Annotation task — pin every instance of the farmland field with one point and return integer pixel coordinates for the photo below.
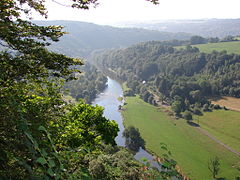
(190, 148)
(230, 47)
(223, 125)
(229, 102)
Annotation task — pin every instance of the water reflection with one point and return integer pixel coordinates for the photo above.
(109, 100)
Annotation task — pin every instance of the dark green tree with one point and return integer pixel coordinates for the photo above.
(197, 40)
(133, 139)
(187, 115)
(213, 166)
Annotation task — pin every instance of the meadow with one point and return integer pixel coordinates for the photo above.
(189, 147)
(223, 125)
(230, 47)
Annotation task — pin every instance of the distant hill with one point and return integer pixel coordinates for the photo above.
(203, 27)
(84, 38)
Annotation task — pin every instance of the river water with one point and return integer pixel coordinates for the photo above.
(109, 100)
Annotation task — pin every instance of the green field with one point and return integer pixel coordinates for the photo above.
(191, 149)
(224, 125)
(230, 47)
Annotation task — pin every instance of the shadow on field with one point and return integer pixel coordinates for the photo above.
(193, 124)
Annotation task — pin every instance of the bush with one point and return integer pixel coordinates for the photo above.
(205, 107)
(225, 108)
(216, 106)
(211, 106)
(129, 92)
(187, 115)
(197, 111)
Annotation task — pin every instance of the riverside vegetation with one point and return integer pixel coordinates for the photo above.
(88, 84)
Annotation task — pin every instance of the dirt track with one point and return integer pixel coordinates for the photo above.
(217, 141)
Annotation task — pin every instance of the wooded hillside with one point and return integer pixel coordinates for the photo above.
(186, 75)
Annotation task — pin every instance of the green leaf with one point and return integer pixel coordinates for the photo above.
(51, 163)
(41, 160)
(29, 136)
(50, 172)
(41, 128)
(44, 153)
(166, 165)
(25, 165)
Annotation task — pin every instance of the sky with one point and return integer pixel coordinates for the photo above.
(109, 12)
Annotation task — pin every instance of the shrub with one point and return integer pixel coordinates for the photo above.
(216, 106)
(225, 108)
(187, 115)
(205, 107)
(197, 111)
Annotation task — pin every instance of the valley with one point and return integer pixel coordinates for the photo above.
(152, 100)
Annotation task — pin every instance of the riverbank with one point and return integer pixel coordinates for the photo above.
(191, 149)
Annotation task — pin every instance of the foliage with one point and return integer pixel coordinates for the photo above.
(205, 107)
(31, 100)
(84, 126)
(168, 164)
(133, 139)
(176, 107)
(197, 40)
(90, 83)
(118, 164)
(187, 115)
(213, 166)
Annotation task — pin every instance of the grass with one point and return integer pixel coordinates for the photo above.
(223, 125)
(191, 149)
(230, 47)
(229, 102)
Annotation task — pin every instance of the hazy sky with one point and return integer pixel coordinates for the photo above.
(111, 11)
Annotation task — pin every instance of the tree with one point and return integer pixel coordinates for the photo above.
(85, 126)
(176, 107)
(213, 166)
(31, 104)
(197, 40)
(187, 115)
(133, 139)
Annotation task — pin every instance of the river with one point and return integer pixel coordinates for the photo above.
(109, 100)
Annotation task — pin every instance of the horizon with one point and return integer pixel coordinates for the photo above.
(126, 23)
(110, 12)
